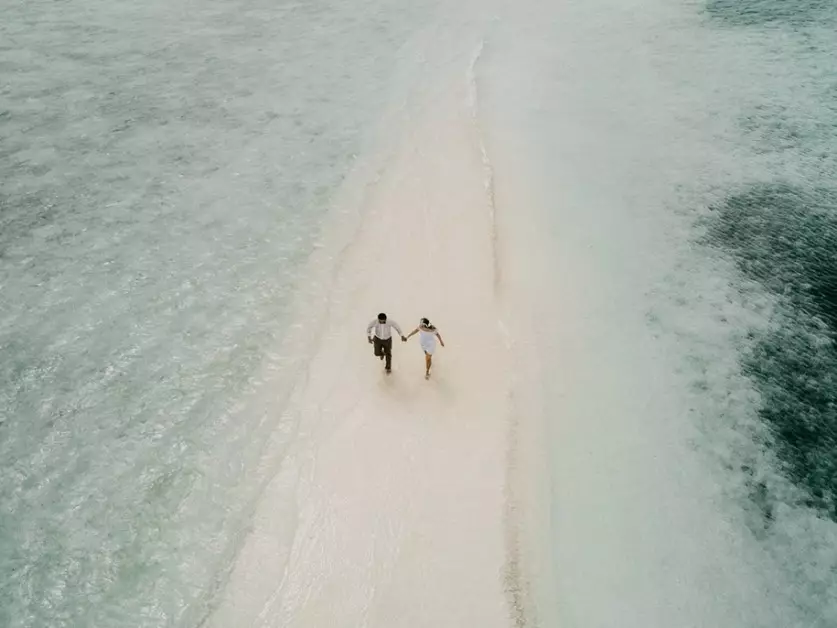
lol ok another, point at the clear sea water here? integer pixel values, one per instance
(166, 168)
(686, 152)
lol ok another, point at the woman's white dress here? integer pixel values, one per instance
(427, 340)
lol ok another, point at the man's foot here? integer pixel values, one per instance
(381, 356)
(388, 371)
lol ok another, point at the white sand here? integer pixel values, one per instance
(389, 507)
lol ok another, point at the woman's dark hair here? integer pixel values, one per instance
(426, 322)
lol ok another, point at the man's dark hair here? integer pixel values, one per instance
(382, 317)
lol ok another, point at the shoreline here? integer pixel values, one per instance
(394, 486)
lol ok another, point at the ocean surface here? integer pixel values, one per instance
(664, 175)
(682, 160)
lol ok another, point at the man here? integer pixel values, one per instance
(383, 338)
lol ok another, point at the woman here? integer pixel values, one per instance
(427, 339)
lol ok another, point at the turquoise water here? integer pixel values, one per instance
(165, 171)
(780, 228)
(684, 159)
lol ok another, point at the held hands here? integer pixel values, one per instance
(403, 338)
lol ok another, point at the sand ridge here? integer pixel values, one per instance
(389, 509)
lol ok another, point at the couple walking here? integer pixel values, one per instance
(382, 339)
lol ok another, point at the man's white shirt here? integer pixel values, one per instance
(383, 330)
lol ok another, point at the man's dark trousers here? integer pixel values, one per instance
(384, 347)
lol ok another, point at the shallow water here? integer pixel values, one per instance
(675, 160)
(166, 168)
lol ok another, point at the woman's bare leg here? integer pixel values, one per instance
(428, 359)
